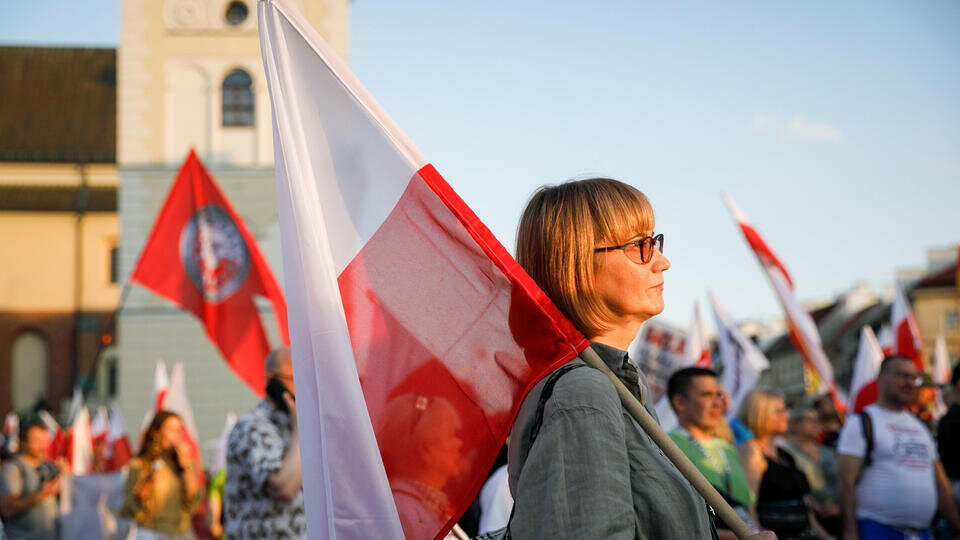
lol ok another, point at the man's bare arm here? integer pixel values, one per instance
(946, 504)
(285, 482)
(848, 469)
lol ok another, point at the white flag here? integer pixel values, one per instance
(941, 362)
(742, 359)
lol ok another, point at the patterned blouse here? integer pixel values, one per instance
(255, 449)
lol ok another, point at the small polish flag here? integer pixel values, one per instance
(81, 443)
(906, 331)
(802, 330)
(866, 368)
(58, 437)
(696, 350)
(885, 339)
(11, 433)
(941, 362)
(118, 441)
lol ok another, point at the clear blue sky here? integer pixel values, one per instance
(834, 126)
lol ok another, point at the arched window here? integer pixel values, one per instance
(237, 99)
(31, 357)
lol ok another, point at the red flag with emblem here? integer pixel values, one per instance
(201, 256)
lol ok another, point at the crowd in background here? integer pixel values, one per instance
(803, 470)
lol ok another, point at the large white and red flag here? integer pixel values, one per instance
(696, 350)
(866, 368)
(906, 331)
(941, 362)
(743, 362)
(119, 450)
(415, 334)
(801, 328)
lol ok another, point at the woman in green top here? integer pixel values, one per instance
(162, 489)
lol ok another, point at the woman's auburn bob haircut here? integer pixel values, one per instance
(560, 229)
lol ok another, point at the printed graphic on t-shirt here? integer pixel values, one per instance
(909, 449)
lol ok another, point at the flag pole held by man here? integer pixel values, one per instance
(415, 335)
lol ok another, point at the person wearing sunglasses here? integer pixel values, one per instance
(579, 466)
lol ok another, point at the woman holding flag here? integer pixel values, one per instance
(580, 467)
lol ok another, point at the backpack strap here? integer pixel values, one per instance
(866, 425)
(551, 381)
(545, 396)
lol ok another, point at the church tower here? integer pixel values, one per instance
(189, 75)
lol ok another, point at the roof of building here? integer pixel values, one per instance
(945, 277)
(58, 104)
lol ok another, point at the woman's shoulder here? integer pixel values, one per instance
(585, 387)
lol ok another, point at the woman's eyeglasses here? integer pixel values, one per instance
(639, 250)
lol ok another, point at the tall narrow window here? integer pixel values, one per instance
(114, 264)
(237, 99)
(28, 382)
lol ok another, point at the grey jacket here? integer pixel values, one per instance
(592, 473)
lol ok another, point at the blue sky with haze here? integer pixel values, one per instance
(834, 126)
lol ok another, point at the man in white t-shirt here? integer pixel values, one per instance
(894, 490)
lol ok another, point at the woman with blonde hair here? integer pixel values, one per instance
(781, 488)
(579, 466)
(163, 488)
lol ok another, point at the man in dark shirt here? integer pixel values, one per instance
(948, 436)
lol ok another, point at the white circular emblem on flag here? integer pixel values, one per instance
(214, 254)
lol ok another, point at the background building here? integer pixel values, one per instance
(58, 222)
(90, 143)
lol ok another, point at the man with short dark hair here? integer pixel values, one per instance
(890, 480)
(948, 435)
(263, 496)
(697, 399)
(28, 488)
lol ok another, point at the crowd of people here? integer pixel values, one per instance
(578, 465)
(164, 493)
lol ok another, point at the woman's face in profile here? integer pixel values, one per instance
(632, 291)
(171, 432)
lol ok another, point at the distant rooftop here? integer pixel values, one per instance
(58, 104)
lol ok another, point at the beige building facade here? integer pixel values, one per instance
(59, 230)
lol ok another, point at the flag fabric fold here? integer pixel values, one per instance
(866, 368)
(201, 256)
(415, 335)
(742, 359)
(801, 328)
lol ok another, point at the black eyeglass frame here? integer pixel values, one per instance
(655, 241)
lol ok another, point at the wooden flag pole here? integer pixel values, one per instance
(670, 448)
